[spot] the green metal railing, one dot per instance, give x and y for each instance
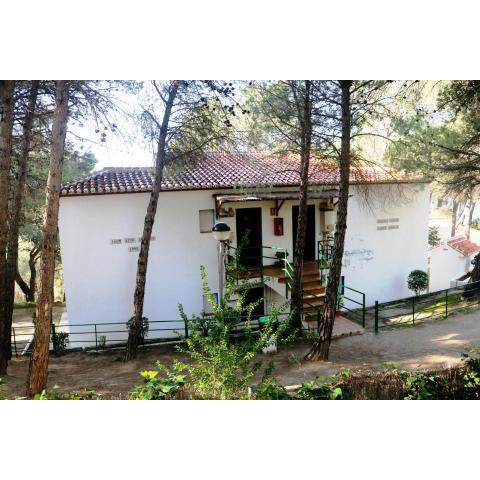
(324, 255)
(88, 336)
(358, 313)
(440, 304)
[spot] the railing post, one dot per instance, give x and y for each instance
(446, 303)
(413, 309)
(186, 327)
(363, 310)
(14, 342)
(96, 344)
(54, 338)
(376, 316)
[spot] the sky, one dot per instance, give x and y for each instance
(125, 148)
(129, 148)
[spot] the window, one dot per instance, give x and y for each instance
(207, 220)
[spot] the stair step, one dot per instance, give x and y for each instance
(310, 319)
(316, 302)
(306, 277)
(314, 292)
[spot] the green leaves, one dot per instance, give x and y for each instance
(155, 388)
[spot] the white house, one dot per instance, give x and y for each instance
(449, 260)
(101, 222)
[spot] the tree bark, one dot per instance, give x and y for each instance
(38, 369)
(304, 105)
(30, 289)
(454, 218)
(139, 295)
(16, 210)
(321, 347)
(469, 215)
(6, 125)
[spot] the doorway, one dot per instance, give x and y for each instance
(249, 231)
(309, 251)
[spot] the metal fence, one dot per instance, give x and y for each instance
(416, 309)
(101, 336)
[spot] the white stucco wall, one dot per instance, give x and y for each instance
(100, 277)
(378, 262)
(446, 264)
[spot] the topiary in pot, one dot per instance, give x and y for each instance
(417, 281)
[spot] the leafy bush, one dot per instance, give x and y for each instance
(270, 389)
(222, 348)
(417, 281)
(102, 342)
(433, 236)
(60, 341)
(224, 361)
(144, 328)
(461, 382)
(154, 388)
(55, 394)
(332, 388)
(2, 395)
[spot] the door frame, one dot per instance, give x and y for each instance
(310, 228)
(260, 232)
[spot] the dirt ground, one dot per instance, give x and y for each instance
(432, 345)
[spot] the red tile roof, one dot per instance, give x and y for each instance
(463, 245)
(227, 170)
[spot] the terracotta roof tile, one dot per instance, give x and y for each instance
(228, 170)
(463, 245)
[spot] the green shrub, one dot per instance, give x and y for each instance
(55, 394)
(144, 328)
(270, 389)
(334, 387)
(433, 236)
(2, 395)
(222, 348)
(417, 281)
(60, 341)
(102, 342)
(154, 388)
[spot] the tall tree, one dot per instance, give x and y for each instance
(141, 279)
(38, 369)
(14, 216)
(321, 346)
(303, 101)
(6, 126)
(195, 116)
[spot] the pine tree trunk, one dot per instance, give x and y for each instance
(16, 210)
(38, 369)
(6, 125)
(321, 347)
(454, 218)
(305, 117)
(24, 287)
(469, 215)
(139, 295)
(32, 264)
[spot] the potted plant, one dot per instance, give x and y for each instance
(280, 256)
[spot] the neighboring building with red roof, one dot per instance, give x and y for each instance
(449, 260)
(102, 215)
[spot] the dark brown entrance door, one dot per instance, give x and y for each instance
(309, 252)
(249, 230)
